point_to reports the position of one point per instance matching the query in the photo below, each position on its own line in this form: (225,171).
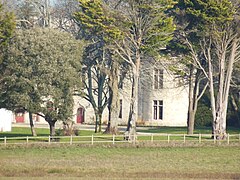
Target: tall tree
(187,68)
(92,13)
(135,27)
(145,30)
(44,68)
(96,80)
(219,31)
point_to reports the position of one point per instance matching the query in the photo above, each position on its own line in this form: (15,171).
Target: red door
(80,115)
(19,117)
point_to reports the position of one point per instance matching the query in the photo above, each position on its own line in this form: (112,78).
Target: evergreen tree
(43,69)
(135,28)
(215,25)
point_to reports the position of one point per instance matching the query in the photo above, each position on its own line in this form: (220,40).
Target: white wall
(6,118)
(174,96)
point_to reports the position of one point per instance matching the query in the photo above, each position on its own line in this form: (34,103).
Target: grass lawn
(183,130)
(122,161)
(125,162)
(159,133)
(23,132)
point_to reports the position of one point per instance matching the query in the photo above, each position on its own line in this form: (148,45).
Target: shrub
(203,116)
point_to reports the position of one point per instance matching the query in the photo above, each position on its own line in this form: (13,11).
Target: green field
(125,162)
(23,132)
(120,161)
(148,135)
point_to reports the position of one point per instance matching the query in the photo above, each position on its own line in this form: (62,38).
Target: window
(157,110)
(120,108)
(158,79)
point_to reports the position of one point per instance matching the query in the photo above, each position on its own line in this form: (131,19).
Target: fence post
(228,138)
(200,138)
(134,138)
(113,138)
(27,139)
(49,140)
(214,138)
(168,138)
(71,140)
(151,138)
(184,138)
(92,139)
(5,140)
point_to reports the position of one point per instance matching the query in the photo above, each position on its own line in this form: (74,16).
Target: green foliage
(203,116)
(210,11)
(148,17)
(232,118)
(196,19)
(7,25)
(209,17)
(159,31)
(42,65)
(96,19)
(201,24)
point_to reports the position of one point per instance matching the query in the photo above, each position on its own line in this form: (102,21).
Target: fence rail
(114,139)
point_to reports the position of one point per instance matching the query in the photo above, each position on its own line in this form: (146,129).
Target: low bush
(203,116)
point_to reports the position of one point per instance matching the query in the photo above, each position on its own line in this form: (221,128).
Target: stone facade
(166,105)
(163,100)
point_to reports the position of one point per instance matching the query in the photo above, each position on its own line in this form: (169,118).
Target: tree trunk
(32,125)
(113,100)
(219,128)
(51,123)
(96,122)
(52,128)
(132,130)
(134,98)
(107,130)
(194,96)
(100,122)
(113,108)
(129,117)
(191,114)
(191,121)
(211,89)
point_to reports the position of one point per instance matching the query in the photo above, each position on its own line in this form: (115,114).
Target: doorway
(19,116)
(80,115)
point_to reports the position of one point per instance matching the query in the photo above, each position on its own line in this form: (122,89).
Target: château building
(162,101)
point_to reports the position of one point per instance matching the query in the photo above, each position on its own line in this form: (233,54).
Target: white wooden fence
(114,139)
